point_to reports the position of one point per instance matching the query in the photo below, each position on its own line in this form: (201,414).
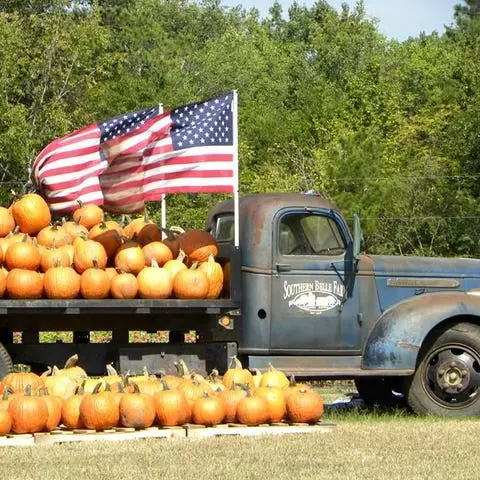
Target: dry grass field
(364,444)
(382,448)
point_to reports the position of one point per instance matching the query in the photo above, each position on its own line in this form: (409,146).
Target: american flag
(129,159)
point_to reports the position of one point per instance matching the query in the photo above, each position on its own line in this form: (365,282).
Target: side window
(224,228)
(309,234)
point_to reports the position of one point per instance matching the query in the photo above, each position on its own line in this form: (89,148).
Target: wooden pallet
(17,440)
(200,431)
(115,434)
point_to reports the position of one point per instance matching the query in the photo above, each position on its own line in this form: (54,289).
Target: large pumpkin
(198,245)
(31,213)
(137,409)
(304,406)
(17,382)
(171,407)
(214,273)
(190,283)
(99,410)
(29,412)
(154,282)
(208,409)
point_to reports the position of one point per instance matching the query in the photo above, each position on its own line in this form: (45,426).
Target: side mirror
(357,236)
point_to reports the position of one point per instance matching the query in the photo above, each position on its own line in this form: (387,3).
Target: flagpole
(236,200)
(163,203)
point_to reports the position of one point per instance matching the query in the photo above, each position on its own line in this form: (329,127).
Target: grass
(365,444)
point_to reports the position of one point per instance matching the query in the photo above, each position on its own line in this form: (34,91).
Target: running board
(321,367)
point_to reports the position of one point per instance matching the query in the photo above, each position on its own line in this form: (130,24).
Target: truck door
(314,293)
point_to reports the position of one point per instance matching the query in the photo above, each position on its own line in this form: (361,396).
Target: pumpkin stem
(154,263)
(6,392)
(293,382)
(71,361)
(185,369)
(136,388)
(80,203)
(111,372)
(98,386)
(235,363)
(47,372)
(165,384)
(54,370)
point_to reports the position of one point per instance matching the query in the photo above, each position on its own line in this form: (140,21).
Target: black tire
(382,391)
(447,380)
(6,364)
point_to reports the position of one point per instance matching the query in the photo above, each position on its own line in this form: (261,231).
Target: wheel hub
(453,377)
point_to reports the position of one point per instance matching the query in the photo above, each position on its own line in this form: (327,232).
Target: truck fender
(396,337)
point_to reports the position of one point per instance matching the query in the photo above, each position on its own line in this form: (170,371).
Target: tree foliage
(384,128)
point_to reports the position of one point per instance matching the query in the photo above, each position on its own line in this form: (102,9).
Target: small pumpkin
(74,228)
(5,422)
(73,370)
(124,286)
(230,398)
(54,257)
(22,254)
(175,265)
(94,283)
(61,386)
(109,233)
(274,378)
(275,397)
(252,410)
(238,375)
(54,235)
(71,410)
(157,251)
(54,407)
(88,214)
(25,284)
(129,257)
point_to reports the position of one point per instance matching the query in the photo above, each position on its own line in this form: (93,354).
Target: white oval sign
(315,301)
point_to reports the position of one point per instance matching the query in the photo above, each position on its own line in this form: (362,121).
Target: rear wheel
(383,391)
(6,365)
(447,380)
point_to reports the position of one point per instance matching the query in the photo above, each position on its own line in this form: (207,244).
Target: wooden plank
(13,440)
(256,431)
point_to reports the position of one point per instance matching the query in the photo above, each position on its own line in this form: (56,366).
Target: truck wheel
(447,379)
(6,365)
(380,391)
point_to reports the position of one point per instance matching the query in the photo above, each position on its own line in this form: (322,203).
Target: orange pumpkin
(154,282)
(54,407)
(31,213)
(61,282)
(231,398)
(71,410)
(137,409)
(5,422)
(252,410)
(29,412)
(275,397)
(129,258)
(25,284)
(304,406)
(109,234)
(17,382)
(53,236)
(171,407)
(88,214)
(3,282)
(190,283)
(94,283)
(157,251)
(22,254)
(74,229)
(175,265)
(214,274)
(208,410)
(7,223)
(87,253)
(124,285)
(198,245)
(54,257)
(99,410)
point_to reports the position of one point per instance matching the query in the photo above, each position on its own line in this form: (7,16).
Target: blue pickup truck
(304,298)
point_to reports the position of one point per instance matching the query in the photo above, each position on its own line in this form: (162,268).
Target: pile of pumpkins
(88,256)
(31,403)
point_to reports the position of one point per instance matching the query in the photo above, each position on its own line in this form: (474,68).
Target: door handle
(283,267)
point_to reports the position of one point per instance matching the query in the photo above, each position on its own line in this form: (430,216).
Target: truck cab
(312,304)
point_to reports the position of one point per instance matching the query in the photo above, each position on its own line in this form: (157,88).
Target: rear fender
(395,339)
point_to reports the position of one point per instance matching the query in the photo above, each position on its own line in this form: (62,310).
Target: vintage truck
(302,297)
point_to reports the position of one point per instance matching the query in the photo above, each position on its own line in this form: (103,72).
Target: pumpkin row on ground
(142,400)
